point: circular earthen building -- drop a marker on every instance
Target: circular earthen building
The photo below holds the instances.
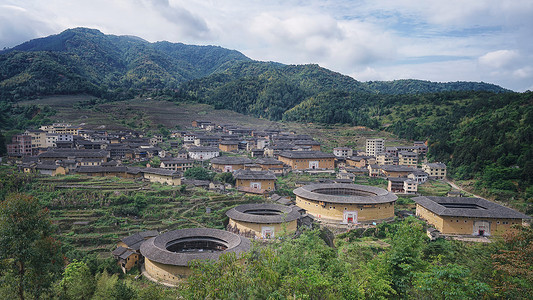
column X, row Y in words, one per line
column 262, row 220
column 167, row 256
column 346, row 203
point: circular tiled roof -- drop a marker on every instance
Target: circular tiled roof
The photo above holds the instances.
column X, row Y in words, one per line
column 155, row 249
column 263, row 213
column 345, row 193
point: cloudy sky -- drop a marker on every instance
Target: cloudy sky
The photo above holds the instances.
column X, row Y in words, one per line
column 442, row 40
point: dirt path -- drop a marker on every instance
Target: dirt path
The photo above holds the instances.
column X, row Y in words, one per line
column 459, row 188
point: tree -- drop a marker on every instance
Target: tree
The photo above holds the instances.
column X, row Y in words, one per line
column 34, row 256
column 405, row 256
column 514, row 264
column 225, row 177
column 77, row 282
column 449, row 281
column 198, row 173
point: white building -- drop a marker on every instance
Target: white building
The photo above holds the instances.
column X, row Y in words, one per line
column 342, row 152
column 375, row 147
column 203, row 153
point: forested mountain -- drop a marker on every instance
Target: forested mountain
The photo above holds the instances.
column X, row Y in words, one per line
column 85, row 60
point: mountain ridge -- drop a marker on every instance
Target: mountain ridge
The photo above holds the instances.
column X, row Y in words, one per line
column 86, row 60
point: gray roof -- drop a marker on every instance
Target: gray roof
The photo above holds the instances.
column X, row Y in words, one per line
column 119, row 251
column 394, row 168
column 63, row 153
column 467, row 207
column 268, row 161
column 230, row 160
column 203, row 149
column 46, row 167
column 329, row 192
column 254, row 175
column 306, row 154
column 155, row 249
column 436, row 165
column 159, row 171
column 101, row 169
column 252, row 213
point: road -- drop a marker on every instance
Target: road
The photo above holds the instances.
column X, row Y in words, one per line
column 459, row 188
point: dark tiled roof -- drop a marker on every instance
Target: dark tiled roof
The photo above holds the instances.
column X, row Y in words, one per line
column 254, row 175
column 159, row 171
column 436, row 165
column 306, row 154
column 203, row 149
column 363, row 194
column 63, row 153
column 133, row 241
column 467, row 207
column 394, row 168
column 46, row 167
column 155, row 249
column 251, row 213
column 101, row 169
column 119, row 251
column 268, row 161
column 230, row 160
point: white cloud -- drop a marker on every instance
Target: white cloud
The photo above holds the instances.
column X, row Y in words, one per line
column 485, row 40
column 499, row 59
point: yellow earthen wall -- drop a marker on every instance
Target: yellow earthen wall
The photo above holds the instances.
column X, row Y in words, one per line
column 166, row 273
column 222, row 167
column 279, row 228
column 268, row 185
column 364, row 212
column 464, row 225
column 163, row 179
column 303, row 163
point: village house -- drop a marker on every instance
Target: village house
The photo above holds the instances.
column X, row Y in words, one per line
column 255, row 181
column 275, row 150
column 228, row 146
column 312, row 144
column 229, row 163
column 50, row 169
column 400, row 185
column 207, row 140
column 128, row 249
column 396, row 171
column 386, row 159
column 419, row 176
column 407, row 158
column 38, row 138
column 467, row 216
column 374, row 147
column 302, row 160
column 176, row 164
column 20, row 146
column 169, row 177
column 201, row 123
column 374, row 170
column 360, row 161
column 435, row 170
column 203, row 153
column 342, row 151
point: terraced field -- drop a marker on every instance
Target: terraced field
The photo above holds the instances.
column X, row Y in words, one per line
column 100, row 216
